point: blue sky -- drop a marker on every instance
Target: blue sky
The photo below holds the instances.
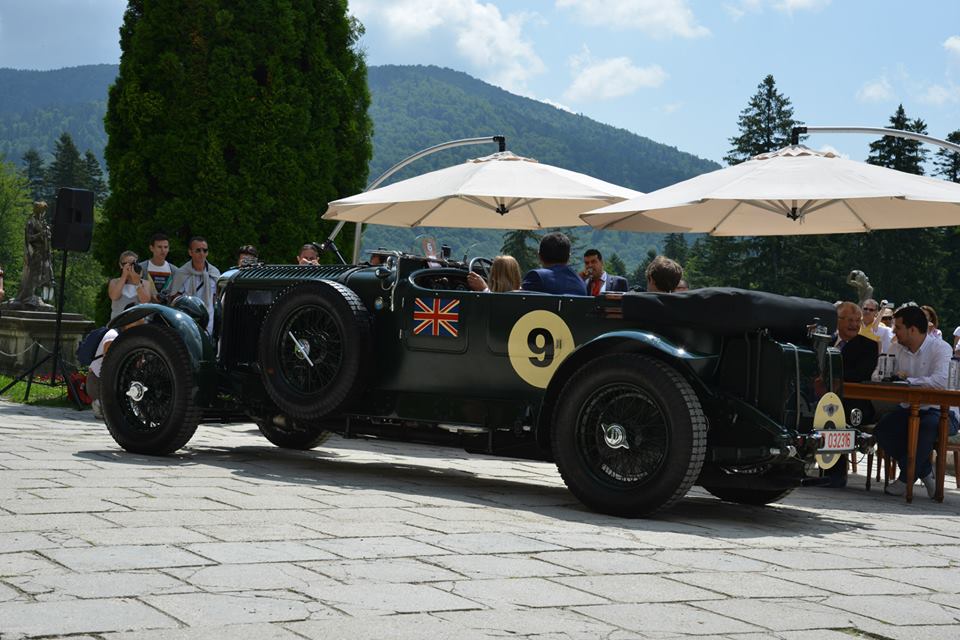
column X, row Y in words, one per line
column 677, row 71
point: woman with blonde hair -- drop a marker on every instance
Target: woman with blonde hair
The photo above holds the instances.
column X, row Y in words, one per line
column 504, row 276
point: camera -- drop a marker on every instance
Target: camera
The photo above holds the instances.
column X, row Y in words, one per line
column 137, row 269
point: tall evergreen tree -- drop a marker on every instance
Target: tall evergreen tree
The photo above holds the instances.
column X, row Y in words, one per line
column 675, row 247
column 899, row 153
column 765, row 124
column 947, row 162
column 522, row 245
column 615, row 265
column 66, row 169
column 234, row 120
column 35, row 172
column 93, row 177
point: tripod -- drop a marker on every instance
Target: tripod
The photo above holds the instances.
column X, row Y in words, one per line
column 56, row 356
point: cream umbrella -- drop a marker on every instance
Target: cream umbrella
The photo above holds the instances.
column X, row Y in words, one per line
column 499, row 191
column 793, row 191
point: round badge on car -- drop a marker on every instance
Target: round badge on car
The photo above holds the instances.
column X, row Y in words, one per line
column 538, row 343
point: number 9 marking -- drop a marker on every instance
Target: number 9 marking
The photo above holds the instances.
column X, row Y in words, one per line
column 538, row 343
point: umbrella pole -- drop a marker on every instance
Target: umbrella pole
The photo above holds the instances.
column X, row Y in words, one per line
column 329, row 242
column 796, row 132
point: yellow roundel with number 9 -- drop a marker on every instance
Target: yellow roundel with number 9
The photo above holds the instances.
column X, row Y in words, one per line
column 538, row 343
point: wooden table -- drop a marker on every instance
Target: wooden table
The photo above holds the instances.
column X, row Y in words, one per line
column 915, row 396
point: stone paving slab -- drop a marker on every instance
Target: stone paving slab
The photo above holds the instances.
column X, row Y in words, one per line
column 234, row 538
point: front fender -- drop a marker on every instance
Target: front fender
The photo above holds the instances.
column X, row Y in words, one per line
column 618, row 342
column 199, row 345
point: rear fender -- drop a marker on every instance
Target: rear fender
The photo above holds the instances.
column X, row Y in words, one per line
column 199, row 345
column 618, row 342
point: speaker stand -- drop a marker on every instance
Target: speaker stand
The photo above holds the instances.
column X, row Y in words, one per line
column 56, row 356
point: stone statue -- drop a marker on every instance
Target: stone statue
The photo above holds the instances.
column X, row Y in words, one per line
column 37, row 266
column 859, row 281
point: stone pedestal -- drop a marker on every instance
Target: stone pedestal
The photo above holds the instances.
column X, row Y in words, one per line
column 19, row 330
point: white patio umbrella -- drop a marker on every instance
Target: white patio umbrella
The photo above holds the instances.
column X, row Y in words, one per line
column 499, row 191
column 793, row 191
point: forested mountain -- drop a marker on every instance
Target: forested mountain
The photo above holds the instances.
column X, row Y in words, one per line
column 413, row 107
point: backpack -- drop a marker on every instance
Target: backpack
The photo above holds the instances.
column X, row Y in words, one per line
column 87, row 349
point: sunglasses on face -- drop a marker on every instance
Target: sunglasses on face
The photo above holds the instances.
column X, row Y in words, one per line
column 870, row 309
column 201, row 250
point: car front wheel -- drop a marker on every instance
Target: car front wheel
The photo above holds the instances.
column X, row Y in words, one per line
column 629, row 435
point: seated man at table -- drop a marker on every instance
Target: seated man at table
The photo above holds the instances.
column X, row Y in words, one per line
column 923, row 361
column 555, row 276
column 859, row 355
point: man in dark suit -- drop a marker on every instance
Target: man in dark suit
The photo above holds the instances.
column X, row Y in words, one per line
column 555, row 276
column 596, row 278
column 860, row 355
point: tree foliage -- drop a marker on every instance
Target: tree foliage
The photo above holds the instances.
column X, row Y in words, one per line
column 237, row 121
column 522, row 245
column 765, row 124
column 947, row 163
column 900, row 153
column 615, row 265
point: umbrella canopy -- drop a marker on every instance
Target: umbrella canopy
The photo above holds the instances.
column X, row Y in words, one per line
column 793, row 191
column 500, row 191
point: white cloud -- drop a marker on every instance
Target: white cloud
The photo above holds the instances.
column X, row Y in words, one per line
column 739, row 9
column 876, row 91
column 609, row 78
column 952, row 44
column 939, row 95
column 494, row 43
column 554, row 103
column 657, row 18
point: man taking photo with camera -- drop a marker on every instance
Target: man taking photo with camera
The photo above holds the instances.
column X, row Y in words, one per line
column 129, row 287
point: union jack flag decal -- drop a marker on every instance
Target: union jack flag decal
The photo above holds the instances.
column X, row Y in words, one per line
column 436, row 317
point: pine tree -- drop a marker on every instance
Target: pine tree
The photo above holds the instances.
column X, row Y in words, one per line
column 93, row 177
column 765, row 125
column 235, row 121
column 675, row 247
column 615, row 265
column 947, row 162
column 66, row 169
column 35, row 172
column 900, row 153
column 521, row 244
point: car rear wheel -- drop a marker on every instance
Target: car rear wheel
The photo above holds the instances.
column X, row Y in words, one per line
column 314, row 346
column 629, row 435
column 293, row 434
column 147, row 391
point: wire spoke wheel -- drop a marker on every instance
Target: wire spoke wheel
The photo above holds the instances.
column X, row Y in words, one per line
column 145, row 389
column 622, row 434
column 311, row 350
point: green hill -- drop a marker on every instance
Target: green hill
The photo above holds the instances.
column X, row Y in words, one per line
column 413, row 107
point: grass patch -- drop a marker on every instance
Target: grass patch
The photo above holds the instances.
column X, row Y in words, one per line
column 40, row 394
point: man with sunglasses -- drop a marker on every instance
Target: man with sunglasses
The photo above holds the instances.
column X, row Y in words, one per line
column 872, row 327
column 197, row 277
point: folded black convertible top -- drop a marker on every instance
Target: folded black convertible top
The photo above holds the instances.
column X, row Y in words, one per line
column 729, row 311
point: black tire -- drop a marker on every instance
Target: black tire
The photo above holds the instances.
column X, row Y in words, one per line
column 330, row 323
column 292, row 436
column 153, row 361
column 651, row 403
column 756, row 497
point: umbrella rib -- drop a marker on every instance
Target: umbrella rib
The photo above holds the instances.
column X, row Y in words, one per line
column 854, row 212
column 533, row 214
column 474, row 200
column 726, row 215
column 767, row 206
column 430, row 211
column 810, row 207
column 377, row 212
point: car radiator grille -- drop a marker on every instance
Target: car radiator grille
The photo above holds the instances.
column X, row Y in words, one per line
column 241, row 335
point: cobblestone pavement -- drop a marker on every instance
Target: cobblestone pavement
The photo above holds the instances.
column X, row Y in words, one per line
column 235, row 538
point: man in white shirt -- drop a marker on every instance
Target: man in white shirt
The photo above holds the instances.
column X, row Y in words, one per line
column 197, row 277
column 923, row 361
column 157, row 269
column 872, row 327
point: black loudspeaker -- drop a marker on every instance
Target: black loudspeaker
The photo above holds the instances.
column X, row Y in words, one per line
column 73, row 220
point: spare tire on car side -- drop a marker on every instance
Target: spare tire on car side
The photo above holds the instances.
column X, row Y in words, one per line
column 315, row 347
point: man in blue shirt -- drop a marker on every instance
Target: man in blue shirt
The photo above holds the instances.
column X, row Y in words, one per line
column 555, row 276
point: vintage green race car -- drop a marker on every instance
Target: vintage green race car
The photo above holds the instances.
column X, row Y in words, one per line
column 635, row 396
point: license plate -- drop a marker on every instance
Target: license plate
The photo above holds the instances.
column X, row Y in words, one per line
column 838, row 440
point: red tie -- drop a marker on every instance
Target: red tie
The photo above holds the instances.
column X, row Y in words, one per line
column 596, row 287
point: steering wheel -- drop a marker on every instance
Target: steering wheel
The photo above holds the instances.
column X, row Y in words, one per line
column 481, row 267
